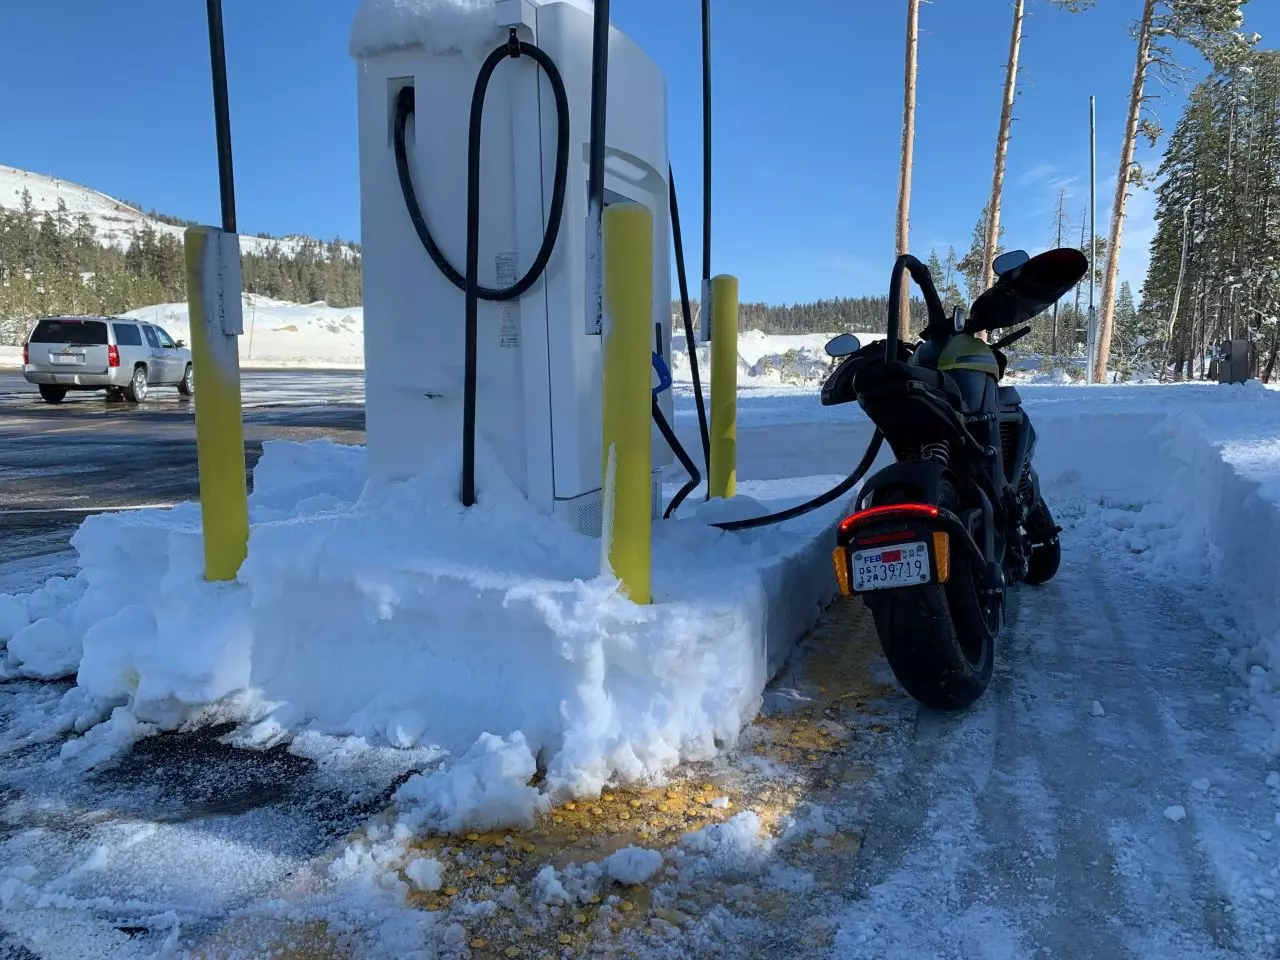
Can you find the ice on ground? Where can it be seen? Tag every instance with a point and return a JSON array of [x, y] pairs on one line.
[[427, 873], [1097, 710], [739, 846], [1177, 813], [13, 618], [46, 650], [487, 787], [632, 865]]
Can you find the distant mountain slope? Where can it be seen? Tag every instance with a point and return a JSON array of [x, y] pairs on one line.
[[115, 222]]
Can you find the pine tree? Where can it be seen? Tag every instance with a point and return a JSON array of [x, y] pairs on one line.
[[1214, 28], [972, 265]]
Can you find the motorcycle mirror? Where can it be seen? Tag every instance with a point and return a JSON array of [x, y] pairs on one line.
[[1008, 262], [843, 345], [959, 319]]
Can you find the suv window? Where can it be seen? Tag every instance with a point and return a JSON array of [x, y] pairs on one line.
[[150, 334], [166, 341], [127, 334], [81, 333]]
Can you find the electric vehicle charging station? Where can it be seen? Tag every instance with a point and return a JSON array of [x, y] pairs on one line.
[[538, 402]]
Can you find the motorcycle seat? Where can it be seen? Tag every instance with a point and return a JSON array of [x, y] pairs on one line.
[[1009, 397], [887, 375]]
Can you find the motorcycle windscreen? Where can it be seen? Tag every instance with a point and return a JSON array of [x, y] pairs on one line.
[[1029, 290]]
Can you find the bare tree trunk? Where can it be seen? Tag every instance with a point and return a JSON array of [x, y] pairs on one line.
[[1061, 216], [904, 173], [1271, 360], [1002, 146], [1106, 318]]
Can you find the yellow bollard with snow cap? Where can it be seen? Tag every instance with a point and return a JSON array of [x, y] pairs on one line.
[[723, 481], [213, 297], [627, 530]]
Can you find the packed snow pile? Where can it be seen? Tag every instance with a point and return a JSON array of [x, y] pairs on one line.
[[281, 334], [387, 612]]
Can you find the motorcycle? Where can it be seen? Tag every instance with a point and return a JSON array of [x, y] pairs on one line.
[[937, 538]]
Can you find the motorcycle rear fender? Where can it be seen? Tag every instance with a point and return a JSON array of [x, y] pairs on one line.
[[924, 477]]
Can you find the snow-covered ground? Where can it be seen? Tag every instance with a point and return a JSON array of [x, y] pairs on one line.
[[114, 222], [278, 334], [1115, 794]]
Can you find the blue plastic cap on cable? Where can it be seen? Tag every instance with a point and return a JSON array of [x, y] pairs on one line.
[[664, 374]]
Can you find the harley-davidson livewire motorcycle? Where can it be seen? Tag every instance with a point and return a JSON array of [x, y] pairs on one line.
[[938, 537]]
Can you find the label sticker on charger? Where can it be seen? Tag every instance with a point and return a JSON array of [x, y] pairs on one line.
[[508, 310]]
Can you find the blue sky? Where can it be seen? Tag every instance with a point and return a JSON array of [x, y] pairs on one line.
[[807, 119]]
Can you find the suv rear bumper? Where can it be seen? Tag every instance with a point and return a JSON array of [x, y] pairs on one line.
[[115, 377]]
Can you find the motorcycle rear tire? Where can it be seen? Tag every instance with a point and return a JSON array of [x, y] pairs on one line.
[[938, 639]]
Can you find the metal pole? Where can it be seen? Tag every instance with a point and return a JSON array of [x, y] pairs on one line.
[[595, 168], [706, 141], [1177, 291], [1093, 231], [221, 115]]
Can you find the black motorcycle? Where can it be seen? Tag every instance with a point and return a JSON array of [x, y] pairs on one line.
[[938, 537]]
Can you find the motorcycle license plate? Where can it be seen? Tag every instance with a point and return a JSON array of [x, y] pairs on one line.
[[883, 568]]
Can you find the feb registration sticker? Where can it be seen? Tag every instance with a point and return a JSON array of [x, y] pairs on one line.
[[902, 565]]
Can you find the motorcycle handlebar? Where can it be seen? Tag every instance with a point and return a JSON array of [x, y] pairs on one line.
[[924, 280]]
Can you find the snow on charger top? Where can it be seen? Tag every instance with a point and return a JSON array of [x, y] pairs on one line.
[[441, 26]]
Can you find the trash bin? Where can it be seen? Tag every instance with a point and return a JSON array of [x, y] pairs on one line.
[[1235, 361]]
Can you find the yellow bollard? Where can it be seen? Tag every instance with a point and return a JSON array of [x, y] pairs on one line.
[[213, 296], [627, 391], [723, 481]]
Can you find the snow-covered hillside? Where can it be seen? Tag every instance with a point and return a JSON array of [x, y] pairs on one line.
[[114, 222]]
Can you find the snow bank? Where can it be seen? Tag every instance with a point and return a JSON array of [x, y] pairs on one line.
[[279, 334], [1183, 481], [764, 360], [386, 612], [10, 358]]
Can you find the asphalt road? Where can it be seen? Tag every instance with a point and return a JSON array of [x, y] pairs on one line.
[[61, 463]]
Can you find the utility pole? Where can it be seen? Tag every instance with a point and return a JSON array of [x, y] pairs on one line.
[[1092, 337]]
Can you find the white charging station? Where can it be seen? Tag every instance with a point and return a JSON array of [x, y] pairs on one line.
[[539, 358]]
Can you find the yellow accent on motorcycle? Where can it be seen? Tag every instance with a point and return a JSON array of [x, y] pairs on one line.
[[840, 558], [965, 352], [942, 554]]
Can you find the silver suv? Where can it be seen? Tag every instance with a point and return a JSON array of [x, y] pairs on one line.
[[122, 356]]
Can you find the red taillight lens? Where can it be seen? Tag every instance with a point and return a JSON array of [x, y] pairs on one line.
[[888, 512], [26, 354], [113, 356]]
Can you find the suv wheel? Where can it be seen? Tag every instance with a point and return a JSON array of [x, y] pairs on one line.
[[187, 386], [52, 394], [136, 391]]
